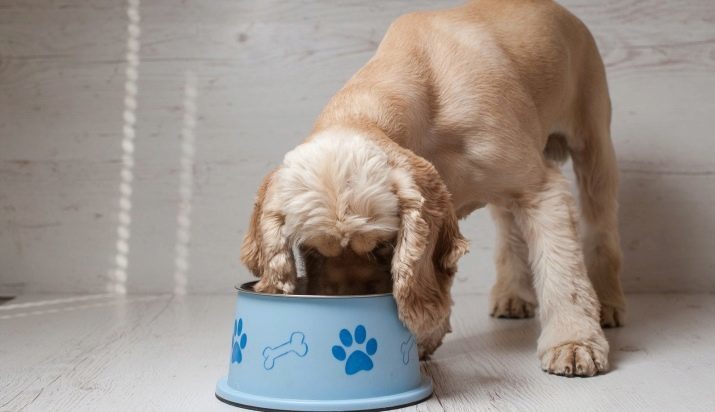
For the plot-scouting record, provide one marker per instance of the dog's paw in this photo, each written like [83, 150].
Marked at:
[512, 307]
[612, 316]
[573, 359]
[266, 286]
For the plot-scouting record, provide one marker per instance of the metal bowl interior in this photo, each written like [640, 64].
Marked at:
[247, 288]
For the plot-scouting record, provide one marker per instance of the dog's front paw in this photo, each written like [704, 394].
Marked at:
[612, 316]
[267, 286]
[511, 306]
[575, 359]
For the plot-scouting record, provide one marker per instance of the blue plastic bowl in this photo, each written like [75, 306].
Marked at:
[319, 353]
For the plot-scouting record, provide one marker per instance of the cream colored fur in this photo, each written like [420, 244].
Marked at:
[338, 187]
[461, 108]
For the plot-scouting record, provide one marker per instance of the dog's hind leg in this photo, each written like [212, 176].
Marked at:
[597, 176]
[596, 169]
[513, 293]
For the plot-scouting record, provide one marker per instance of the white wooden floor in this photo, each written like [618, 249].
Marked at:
[158, 352]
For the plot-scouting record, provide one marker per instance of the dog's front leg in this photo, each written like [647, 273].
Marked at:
[572, 341]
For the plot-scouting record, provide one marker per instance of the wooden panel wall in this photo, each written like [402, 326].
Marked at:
[265, 68]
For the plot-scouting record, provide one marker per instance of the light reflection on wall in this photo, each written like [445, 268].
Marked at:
[186, 184]
[119, 273]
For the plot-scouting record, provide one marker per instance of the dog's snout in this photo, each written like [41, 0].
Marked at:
[363, 244]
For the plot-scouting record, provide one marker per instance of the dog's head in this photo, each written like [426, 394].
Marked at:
[342, 194]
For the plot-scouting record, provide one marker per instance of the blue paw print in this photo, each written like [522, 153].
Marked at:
[358, 360]
[239, 342]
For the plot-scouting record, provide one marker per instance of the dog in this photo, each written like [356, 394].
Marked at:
[459, 109]
[349, 273]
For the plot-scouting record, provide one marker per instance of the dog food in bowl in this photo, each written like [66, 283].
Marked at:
[320, 353]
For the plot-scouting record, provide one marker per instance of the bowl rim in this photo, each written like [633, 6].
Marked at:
[247, 288]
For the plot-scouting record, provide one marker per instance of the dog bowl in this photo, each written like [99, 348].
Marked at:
[319, 353]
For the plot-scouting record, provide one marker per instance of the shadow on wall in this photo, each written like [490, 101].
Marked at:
[666, 230]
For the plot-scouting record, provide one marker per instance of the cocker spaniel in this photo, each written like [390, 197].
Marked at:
[458, 109]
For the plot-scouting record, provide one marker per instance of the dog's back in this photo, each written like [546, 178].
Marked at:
[476, 88]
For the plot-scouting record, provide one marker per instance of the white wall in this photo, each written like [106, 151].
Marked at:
[265, 68]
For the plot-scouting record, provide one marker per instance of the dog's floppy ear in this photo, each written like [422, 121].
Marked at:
[451, 245]
[428, 247]
[266, 251]
[251, 252]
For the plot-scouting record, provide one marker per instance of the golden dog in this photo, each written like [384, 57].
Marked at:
[458, 109]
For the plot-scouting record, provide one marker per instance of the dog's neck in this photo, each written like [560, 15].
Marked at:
[398, 110]
[398, 155]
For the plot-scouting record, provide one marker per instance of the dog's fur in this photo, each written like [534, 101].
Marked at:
[458, 109]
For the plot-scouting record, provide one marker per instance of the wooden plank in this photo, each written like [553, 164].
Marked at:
[46, 342]
[171, 363]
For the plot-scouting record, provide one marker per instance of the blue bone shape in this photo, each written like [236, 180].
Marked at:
[406, 348]
[296, 344]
